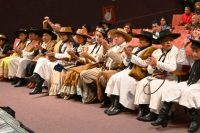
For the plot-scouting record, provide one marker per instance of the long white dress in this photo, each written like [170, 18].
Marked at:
[45, 67]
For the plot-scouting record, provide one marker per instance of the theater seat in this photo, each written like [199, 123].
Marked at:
[176, 20]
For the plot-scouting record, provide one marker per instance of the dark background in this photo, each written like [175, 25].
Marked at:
[15, 14]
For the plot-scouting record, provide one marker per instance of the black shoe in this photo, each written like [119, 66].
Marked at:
[143, 110]
[15, 81]
[150, 117]
[36, 91]
[20, 83]
[160, 121]
[195, 122]
[114, 111]
[194, 126]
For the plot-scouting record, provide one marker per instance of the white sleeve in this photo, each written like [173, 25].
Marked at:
[171, 65]
[182, 58]
[138, 61]
[28, 54]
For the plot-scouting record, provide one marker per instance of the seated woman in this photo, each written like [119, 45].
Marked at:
[122, 83]
[160, 67]
[85, 60]
[48, 38]
[45, 66]
[17, 66]
[163, 24]
[186, 93]
[22, 35]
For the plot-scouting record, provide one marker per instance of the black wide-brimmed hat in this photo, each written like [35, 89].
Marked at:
[167, 33]
[145, 34]
[195, 44]
[21, 30]
[48, 31]
[35, 30]
[105, 22]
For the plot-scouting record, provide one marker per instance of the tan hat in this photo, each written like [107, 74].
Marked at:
[121, 31]
[3, 37]
[67, 30]
[82, 33]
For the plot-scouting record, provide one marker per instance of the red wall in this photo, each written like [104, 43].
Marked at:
[26, 13]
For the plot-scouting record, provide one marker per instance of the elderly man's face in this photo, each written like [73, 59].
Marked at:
[167, 43]
[118, 39]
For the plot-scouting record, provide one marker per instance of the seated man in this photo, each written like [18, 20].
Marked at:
[186, 93]
[121, 83]
[160, 65]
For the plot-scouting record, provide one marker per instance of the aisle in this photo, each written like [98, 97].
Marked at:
[48, 114]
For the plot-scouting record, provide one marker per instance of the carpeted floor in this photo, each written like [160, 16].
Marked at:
[48, 114]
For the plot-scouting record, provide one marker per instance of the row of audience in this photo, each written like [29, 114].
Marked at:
[104, 66]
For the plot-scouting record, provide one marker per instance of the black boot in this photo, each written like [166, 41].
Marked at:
[32, 77]
[15, 81]
[195, 122]
[163, 115]
[93, 87]
[112, 100]
[143, 110]
[117, 108]
[38, 88]
[106, 102]
[20, 83]
[151, 116]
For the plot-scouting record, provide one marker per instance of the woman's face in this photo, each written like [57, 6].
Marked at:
[32, 36]
[127, 28]
[99, 37]
[63, 36]
[22, 36]
[46, 37]
[196, 33]
[162, 21]
[79, 39]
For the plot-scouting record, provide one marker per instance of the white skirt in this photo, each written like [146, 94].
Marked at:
[122, 85]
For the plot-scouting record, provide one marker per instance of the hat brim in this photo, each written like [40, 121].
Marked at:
[37, 32]
[53, 35]
[84, 36]
[18, 32]
[127, 37]
[141, 35]
[68, 33]
[2, 38]
[173, 35]
[195, 44]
